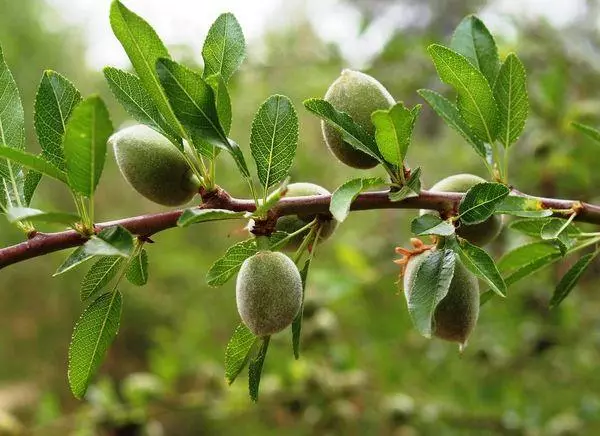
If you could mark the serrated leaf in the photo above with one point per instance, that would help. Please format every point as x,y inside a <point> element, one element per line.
<point>431,225</point>
<point>450,114</point>
<point>197,215</point>
<point>224,48</point>
<point>112,241</point>
<point>55,101</point>
<point>87,131</point>
<point>482,265</point>
<point>94,332</point>
<point>76,258</point>
<point>473,40</point>
<point>33,162</point>
<point>274,139</point>
<point>570,279</point>
<point>238,351</point>
<point>99,276</point>
<point>222,99</point>
<point>526,260</point>
<point>32,179</point>
<point>555,230</point>
<point>137,272</point>
<point>430,286</point>
<point>412,187</point>
<point>393,131</point>
<point>351,132</point>
<point>143,47</point>
<point>14,214</point>
<point>130,92</point>
<point>588,131</point>
<point>228,265</point>
<point>255,369</point>
<point>522,207</point>
<point>342,197</point>
<point>297,323</point>
<point>475,101</point>
<point>510,92</point>
<point>480,202</point>
<point>533,227</point>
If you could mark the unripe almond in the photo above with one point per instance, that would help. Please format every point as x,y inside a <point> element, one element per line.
<point>153,166</point>
<point>359,95</point>
<point>268,292</point>
<point>455,316</point>
<point>478,234</point>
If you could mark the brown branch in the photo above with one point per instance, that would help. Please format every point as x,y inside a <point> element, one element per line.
<point>146,225</point>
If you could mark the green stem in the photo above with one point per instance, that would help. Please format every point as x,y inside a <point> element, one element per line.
<point>285,240</point>
<point>305,243</point>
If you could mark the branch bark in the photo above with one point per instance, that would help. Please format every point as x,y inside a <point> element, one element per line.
<point>40,244</point>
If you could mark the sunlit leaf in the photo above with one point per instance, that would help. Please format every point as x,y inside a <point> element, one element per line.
<point>480,202</point>
<point>510,91</point>
<point>393,131</point>
<point>224,48</point>
<point>137,272</point>
<point>431,225</point>
<point>342,197</point>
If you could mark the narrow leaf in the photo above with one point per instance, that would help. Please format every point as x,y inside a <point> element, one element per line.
<point>14,214</point>
<point>197,215</point>
<point>570,279</point>
<point>474,41</point>
<point>136,100</point>
<point>297,323</point>
<point>555,230</point>
<point>533,227</point>
<point>224,48</point>
<point>431,225</point>
<point>393,131</point>
<point>342,198</point>
<point>33,162</point>
<point>480,202</point>
<point>475,101</point>
<point>482,265</point>
<point>412,188</point>
<point>510,91</point>
<point>526,260</point>
<point>274,139</point>
<point>86,134</point>
<point>137,272</point>
<point>450,114</point>
<point>228,265</point>
<point>76,258</point>
<point>430,286</point>
<point>351,132</point>
<point>255,369</point>
<point>94,332</point>
<point>99,276</point>
<point>238,351</point>
<point>522,207</point>
<point>143,47</point>
<point>588,131</point>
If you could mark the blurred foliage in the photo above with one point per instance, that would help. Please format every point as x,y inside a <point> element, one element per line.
<point>364,369</point>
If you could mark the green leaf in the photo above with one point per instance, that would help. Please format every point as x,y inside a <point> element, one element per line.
<point>137,272</point>
<point>99,276</point>
<point>430,286</point>
<point>136,100</point>
<point>588,131</point>
<point>222,99</point>
<point>32,179</point>
<point>524,207</point>
<point>272,199</point>
<point>112,241</point>
<point>533,227</point>
<point>526,260</point>
<point>297,323</point>
<point>475,101</point>
<point>55,101</point>
<point>351,132</point>
<point>224,48</point>
<point>570,279</point>
<point>482,265</point>
<point>255,369</point>
<point>76,258</point>
<point>94,332</point>
<point>14,214</point>
<point>342,197</point>
<point>33,162</point>
<point>86,134</point>
<point>197,215</point>
<point>143,47</point>
<point>412,187</point>
<point>474,41</point>
<point>238,351</point>
<point>393,131</point>
<point>480,202</point>
<point>274,139</point>
<point>555,230</point>
<point>431,225</point>
<point>228,265</point>
<point>510,91</point>
<point>450,114</point>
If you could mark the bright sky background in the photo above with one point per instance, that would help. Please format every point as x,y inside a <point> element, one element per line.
<point>187,21</point>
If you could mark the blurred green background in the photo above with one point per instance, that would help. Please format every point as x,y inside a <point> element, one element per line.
<point>364,369</point>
